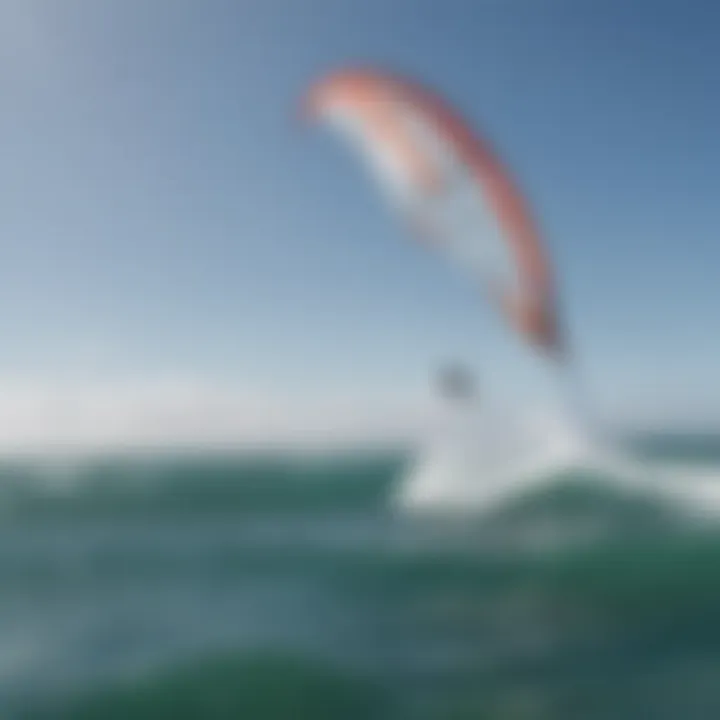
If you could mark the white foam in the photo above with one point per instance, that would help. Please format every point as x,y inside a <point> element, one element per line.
<point>484,459</point>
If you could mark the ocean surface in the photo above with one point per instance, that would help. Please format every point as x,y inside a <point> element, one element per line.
<point>221,585</point>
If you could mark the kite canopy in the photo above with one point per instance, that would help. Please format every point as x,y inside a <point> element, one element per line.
<point>446,181</point>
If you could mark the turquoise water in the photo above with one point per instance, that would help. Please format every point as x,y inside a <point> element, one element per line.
<point>267,587</point>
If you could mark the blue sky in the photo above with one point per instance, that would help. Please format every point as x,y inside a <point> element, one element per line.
<point>165,215</point>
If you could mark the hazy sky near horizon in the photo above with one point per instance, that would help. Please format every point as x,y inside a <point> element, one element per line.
<point>168,222</point>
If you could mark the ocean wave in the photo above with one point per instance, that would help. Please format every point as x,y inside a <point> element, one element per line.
<point>194,485</point>
<point>253,685</point>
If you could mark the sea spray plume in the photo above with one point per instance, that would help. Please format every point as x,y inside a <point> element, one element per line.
<point>484,455</point>
<point>484,459</point>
